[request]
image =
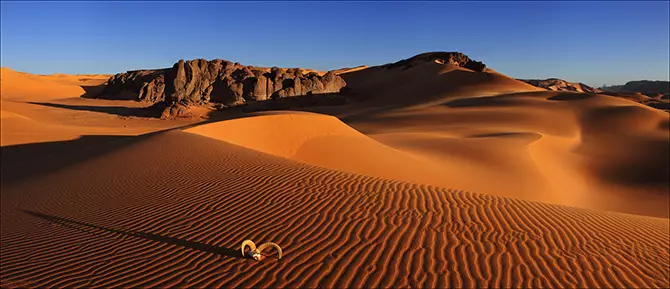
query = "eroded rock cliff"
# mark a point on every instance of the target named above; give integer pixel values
(200, 81)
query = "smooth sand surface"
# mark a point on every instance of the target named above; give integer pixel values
(566, 191)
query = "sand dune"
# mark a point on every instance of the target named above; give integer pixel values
(18, 129)
(589, 151)
(170, 209)
(95, 195)
(323, 141)
(21, 85)
(428, 83)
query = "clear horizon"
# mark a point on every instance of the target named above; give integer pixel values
(596, 43)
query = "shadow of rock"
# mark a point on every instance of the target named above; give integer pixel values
(94, 229)
(299, 103)
(152, 112)
(21, 162)
(92, 91)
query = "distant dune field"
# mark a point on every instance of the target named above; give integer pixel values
(431, 176)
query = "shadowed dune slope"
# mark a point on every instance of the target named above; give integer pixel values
(584, 150)
(171, 209)
(426, 83)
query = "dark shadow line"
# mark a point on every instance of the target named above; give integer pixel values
(146, 112)
(24, 161)
(149, 236)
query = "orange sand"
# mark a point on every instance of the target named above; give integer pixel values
(567, 189)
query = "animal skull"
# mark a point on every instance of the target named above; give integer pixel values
(255, 252)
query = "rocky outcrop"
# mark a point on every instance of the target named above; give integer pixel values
(199, 81)
(453, 58)
(555, 84)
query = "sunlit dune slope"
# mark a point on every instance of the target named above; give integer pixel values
(18, 129)
(20, 85)
(171, 209)
(324, 141)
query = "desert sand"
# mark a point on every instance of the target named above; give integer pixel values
(436, 177)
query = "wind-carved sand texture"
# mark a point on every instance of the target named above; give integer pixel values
(455, 178)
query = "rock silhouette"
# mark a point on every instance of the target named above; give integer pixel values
(453, 58)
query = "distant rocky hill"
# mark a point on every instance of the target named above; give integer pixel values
(651, 93)
(453, 58)
(646, 87)
(200, 81)
(555, 84)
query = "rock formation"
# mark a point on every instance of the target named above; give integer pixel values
(453, 58)
(555, 84)
(199, 81)
(143, 85)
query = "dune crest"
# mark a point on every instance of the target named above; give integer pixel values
(324, 141)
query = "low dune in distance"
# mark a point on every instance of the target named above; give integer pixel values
(433, 176)
(36, 87)
(44, 108)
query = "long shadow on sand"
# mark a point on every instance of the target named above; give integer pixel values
(94, 229)
(25, 161)
(21, 162)
(115, 110)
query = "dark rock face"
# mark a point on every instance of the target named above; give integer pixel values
(153, 91)
(175, 110)
(555, 84)
(200, 81)
(453, 58)
(142, 85)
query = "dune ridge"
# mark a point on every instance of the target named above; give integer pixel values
(323, 141)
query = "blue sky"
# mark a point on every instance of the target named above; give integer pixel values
(592, 42)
